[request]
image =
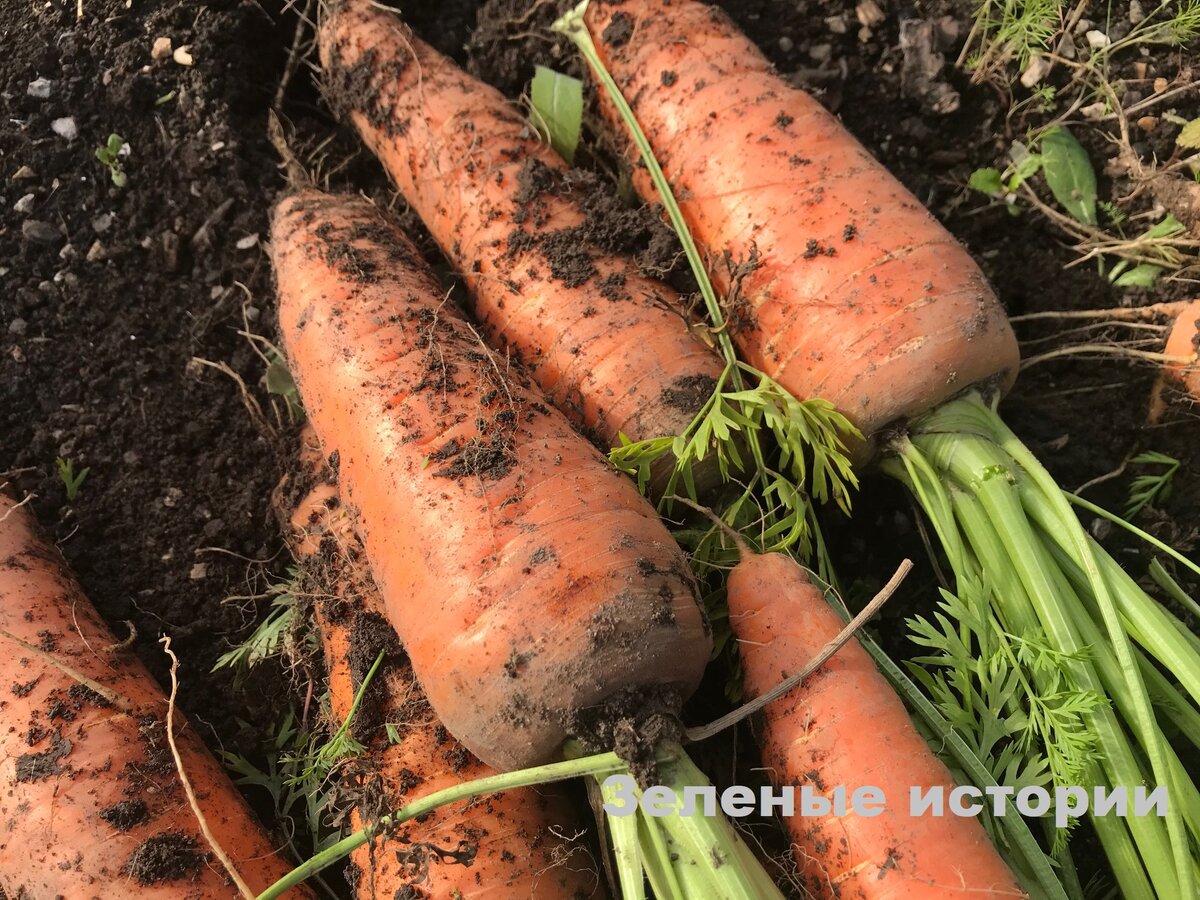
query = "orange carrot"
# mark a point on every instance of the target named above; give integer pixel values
(513, 844)
(90, 799)
(527, 579)
(1184, 341)
(857, 294)
(845, 727)
(606, 344)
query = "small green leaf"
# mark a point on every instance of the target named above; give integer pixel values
(115, 143)
(1069, 174)
(1023, 170)
(119, 178)
(558, 109)
(1190, 136)
(279, 380)
(986, 181)
(1168, 227)
(165, 98)
(1139, 276)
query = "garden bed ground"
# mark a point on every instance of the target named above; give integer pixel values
(112, 295)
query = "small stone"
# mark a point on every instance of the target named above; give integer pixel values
(837, 24)
(65, 128)
(40, 232)
(25, 205)
(17, 354)
(183, 56)
(786, 44)
(46, 287)
(868, 13)
(174, 495)
(24, 172)
(1038, 68)
(1083, 25)
(161, 48)
(1140, 69)
(102, 223)
(96, 252)
(820, 52)
(253, 313)
(39, 88)
(199, 571)
(1160, 85)
(18, 327)
(1097, 40)
(68, 251)
(1095, 110)
(67, 277)
(1136, 12)
(1147, 123)
(247, 242)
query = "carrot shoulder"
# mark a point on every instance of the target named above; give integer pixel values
(89, 796)
(845, 727)
(606, 344)
(526, 578)
(858, 295)
(514, 844)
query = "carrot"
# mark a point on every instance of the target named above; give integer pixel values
(601, 339)
(528, 581)
(845, 727)
(855, 293)
(512, 844)
(90, 799)
(1183, 341)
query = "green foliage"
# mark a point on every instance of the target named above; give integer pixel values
(558, 109)
(274, 632)
(71, 479)
(110, 156)
(1151, 488)
(1069, 173)
(279, 382)
(1189, 135)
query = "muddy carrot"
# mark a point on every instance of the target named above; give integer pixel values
(546, 279)
(845, 727)
(529, 582)
(90, 798)
(1184, 341)
(520, 843)
(856, 293)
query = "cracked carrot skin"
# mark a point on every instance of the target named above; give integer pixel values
(606, 344)
(845, 726)
(859, 295)
(527, 579)
(90, 801)
(519, 843)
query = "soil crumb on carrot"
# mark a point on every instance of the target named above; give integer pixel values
(164, 857)
(125, 815)
(631, 723)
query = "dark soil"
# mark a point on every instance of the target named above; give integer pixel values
(111, 296)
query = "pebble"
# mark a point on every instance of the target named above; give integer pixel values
(68, 251)
(247, 242)
(182, 56)
(102, 223)
(65, 128)
(174, 495)
(161, 48)
(96, 252)
(786, 44)
(18, 327)
(23, 173)
(837, 24)
(39, 231)
(46, 287)
(1038, 68)
(820, 52)
(1136, 12)
(39, 88)
(1097, 39)
(252, 313)
(1160, 84)
(25, 205)
(1147, 123)
(199, 571)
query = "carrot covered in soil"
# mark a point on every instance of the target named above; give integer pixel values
(854, 293)
(845, 726)
(1183, 340)
(529, 582)
(513, 844)
(90, 798)
(548, 280)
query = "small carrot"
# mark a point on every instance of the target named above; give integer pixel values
(1184, 341)
(845, 727)
(607, 345)
(514, 844)
(90, 798)
(848, 289)
(527, 579)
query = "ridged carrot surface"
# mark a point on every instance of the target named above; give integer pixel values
(90, 802)
(520, 843)
(527, 579)
(845, 726)
(606, 344)
(855, 292)
(1184, 341)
